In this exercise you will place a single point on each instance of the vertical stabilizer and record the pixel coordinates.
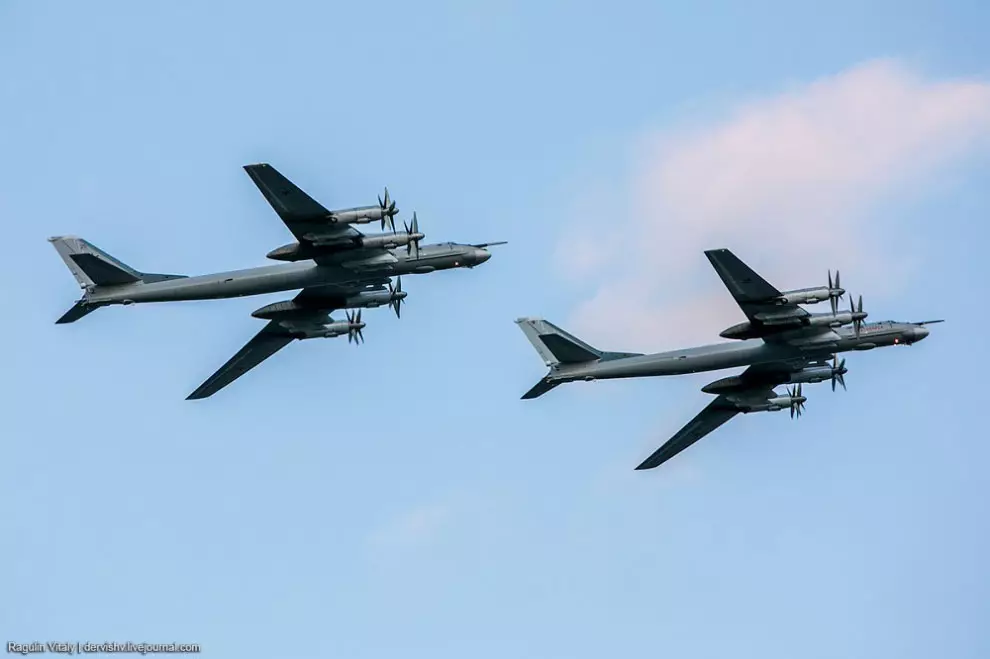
(554, 345)
(90, 265)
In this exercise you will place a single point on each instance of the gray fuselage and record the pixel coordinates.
(739, 353)
(292, 276)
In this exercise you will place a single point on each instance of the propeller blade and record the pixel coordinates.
(830, 280)
(837, 284)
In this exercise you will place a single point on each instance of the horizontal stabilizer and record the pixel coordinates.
(78, 310)
(540, 388)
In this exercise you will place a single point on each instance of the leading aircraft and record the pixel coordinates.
(781, 343)
(335, 265)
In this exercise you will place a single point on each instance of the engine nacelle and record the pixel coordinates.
(736, 383)
(320, 244)
(793, 316)
(388, 240)
(748, 330)
(292, 252)
(774, 404)
(829, 320)
(327, 331)
(285, 309)
(290, 309)
(740, 331)
(807, 296)
(362, 215)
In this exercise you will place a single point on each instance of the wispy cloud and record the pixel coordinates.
(412, 529)
(788, 182)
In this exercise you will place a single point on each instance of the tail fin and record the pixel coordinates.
(559, 348)
(555, 345)
(92, 267)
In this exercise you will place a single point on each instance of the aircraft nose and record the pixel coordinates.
(919, 333)
(480, 256)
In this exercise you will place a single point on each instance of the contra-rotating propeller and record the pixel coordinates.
(354, 334)
(797, 400)
(839, 371)
(396, 296)
(412, 247)
(857, 314)
(389, 211)
(835, 292)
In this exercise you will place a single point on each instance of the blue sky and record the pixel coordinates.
(398, 497)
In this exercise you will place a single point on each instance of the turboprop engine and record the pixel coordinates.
(351, 327)
(796, 318)
(384, 212)
(812, 375)
(290, 309)
(321, 244)
(794, 400)
(833, 292)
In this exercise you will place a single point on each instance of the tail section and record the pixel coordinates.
(78, 310)
(555, 345)
(559, 348)
(92, 268)
(90, 265)
(540, 388)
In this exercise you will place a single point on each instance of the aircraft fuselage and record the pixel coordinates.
(739, 353)
(291, 276)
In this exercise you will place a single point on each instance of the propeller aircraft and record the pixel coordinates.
(336, 266)
(781, 343)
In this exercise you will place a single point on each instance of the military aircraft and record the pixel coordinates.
(781, 343)
(335, 265)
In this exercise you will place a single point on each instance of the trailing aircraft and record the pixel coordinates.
(781, 343)
(336, 266)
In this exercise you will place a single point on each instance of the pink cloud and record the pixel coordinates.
(791, 183)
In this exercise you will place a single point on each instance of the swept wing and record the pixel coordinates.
(315, 305)
(758, 300)
(755, 385)
(305, 217)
